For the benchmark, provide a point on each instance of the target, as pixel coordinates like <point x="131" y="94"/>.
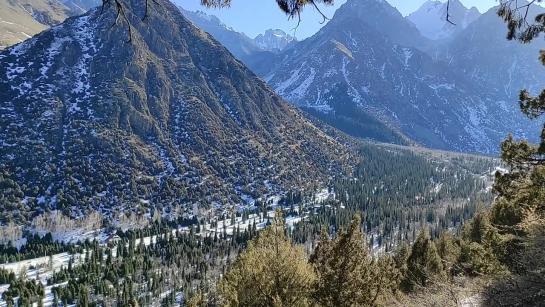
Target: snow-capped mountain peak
<point x="274" y="40"/>
<point x="431" y="18"/>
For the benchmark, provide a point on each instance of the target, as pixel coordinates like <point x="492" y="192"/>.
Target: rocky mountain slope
<point x="431" y="18"/>
<point x="506" y="68"/>
<point x="89" y="121"/>
<point x="358" y="74"/>
<point x="21" y="19"/>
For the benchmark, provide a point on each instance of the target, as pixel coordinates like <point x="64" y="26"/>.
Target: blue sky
<point x="255" y="16"/>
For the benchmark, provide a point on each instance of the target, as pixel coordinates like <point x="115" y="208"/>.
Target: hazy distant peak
<point x="274" y="40"/>
<point x="431" y="18"/>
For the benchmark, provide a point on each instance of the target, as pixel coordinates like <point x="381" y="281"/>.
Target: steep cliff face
<point x="89" y="121"/>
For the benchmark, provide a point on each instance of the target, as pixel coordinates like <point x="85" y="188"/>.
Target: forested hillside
<point x="188" y="262"/>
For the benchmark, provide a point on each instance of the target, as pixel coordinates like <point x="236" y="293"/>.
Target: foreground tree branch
<point x="292" y="8"/>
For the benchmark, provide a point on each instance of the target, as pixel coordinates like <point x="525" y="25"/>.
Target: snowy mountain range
<point x="243" y="47"/>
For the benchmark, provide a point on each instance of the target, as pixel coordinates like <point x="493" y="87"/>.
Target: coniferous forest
<point x="185" y="265"/>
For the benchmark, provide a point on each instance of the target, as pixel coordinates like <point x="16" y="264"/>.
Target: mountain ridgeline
<point x="375" y="74"/>
<point x="89" y="121"/>
<point x="249" y="51"/>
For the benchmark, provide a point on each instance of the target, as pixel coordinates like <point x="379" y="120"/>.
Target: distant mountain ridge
<point x="274" y="40"/>
<point x="505" y="68"/>
<point x="248" y="50"/>
<point x="239" y="44"/>
<point x="89" y="122"/>
<point x="431" y="18"/>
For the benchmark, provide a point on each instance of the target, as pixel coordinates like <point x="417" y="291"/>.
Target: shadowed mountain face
<point x="361" y="68"/>
<point x="91" y="121"/>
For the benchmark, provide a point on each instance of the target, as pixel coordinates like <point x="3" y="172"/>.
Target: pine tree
<point x="481" y="247"/>
<point x="449" y="250"/>
<point x="83" y="296"/>
<point x="347" y="274"/>
<point x="424" y="264"/>
<point x="400" y="258"/>
<point x="270" y="272"/>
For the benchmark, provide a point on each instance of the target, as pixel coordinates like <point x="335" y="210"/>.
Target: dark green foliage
<point x="6" y="277"/>
<point x="27" y="292"/>
<point x="424" y="266"/>
<point x="343" y="267"/>
<point x="449" y="249"/>
<point x="11" y="195"/>
<point x="133" y="274"/>
<point x="478" y="229"/>
<point x="347" y="274"/>
<point x="35" y="247"/>
<point x="396" y="192"/>
<point x="270" y="272"/>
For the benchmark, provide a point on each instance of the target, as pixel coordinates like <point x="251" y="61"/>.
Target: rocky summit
<point x="90" y="120"/>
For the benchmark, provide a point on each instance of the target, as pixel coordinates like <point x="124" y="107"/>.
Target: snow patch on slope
<point x="300" y="91"/>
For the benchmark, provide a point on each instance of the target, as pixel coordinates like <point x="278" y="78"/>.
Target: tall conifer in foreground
<point x="424" y="265"/>
<point x="270" y="272"/>
<point x="347" y="274"/>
